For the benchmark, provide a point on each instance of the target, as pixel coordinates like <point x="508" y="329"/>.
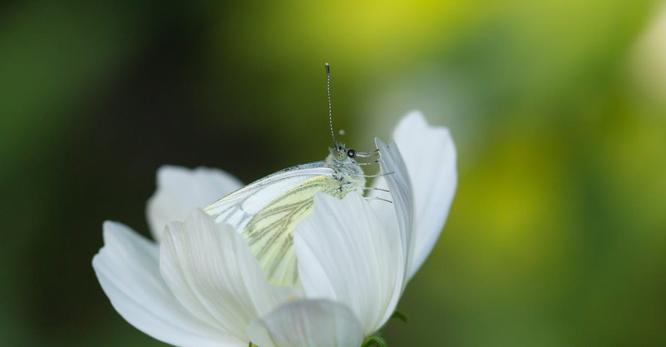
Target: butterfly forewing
<point x="238" y="207"/>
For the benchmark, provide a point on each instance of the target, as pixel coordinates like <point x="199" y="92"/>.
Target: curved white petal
<point x="127" y="268"/>
<point x="399" y="215"/>
<point x="422" y="167"/>
<point x="346" y="255"/>
<point x="308" y="323"/>
<point x="181" y="190"/>
<point x="211" y="271"/>
<point x="430" y="157"/>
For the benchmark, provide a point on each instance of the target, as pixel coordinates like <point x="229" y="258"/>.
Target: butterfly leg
<point x="378" y="199"/>
<point x="380" y="175"/>
<point x="367" y="154"/>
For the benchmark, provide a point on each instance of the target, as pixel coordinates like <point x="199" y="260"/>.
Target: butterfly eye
<point x="351" y="153"/>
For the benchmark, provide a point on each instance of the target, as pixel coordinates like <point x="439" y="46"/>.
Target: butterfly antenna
<point x="327" y="67"/>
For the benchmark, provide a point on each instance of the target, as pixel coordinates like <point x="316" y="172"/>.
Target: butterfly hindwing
<point x="270" y="232"/>
<point x="266" y="212"/>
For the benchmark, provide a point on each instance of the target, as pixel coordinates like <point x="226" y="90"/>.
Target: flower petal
<point x="181" y="190"/>
<point x="345" y="254"/>
<point x="400" y="214"/>
<point x="211" y="271"/>
<point x="430" y="157"/>
<point x="308" y="323"/>
<point x="127" y="269"/>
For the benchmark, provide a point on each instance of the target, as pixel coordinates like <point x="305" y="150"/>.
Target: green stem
<point x="374" y="341"/>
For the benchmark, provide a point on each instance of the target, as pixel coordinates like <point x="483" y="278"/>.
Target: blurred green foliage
<point x="557" y="236"/>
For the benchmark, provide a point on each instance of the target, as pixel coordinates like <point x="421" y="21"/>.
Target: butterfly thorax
<point x="345" y="170"/>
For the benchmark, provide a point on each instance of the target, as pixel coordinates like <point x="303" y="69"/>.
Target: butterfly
<point x="267" y="211"/>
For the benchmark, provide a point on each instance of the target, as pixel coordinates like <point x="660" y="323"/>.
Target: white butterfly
<point x="268" y="210"/>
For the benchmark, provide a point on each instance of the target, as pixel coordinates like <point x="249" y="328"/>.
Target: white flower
<point x="201" y="285"/>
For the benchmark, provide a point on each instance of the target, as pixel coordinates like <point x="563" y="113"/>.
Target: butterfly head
<point x="341" y="153"/>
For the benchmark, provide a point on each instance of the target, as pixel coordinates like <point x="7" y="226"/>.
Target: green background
<point x="557" y="234"/>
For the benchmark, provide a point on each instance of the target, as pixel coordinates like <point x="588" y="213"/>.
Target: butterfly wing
<point x="238" y="207"/>
<point x="266" y="212"/>
<point x="270" y="232"/>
